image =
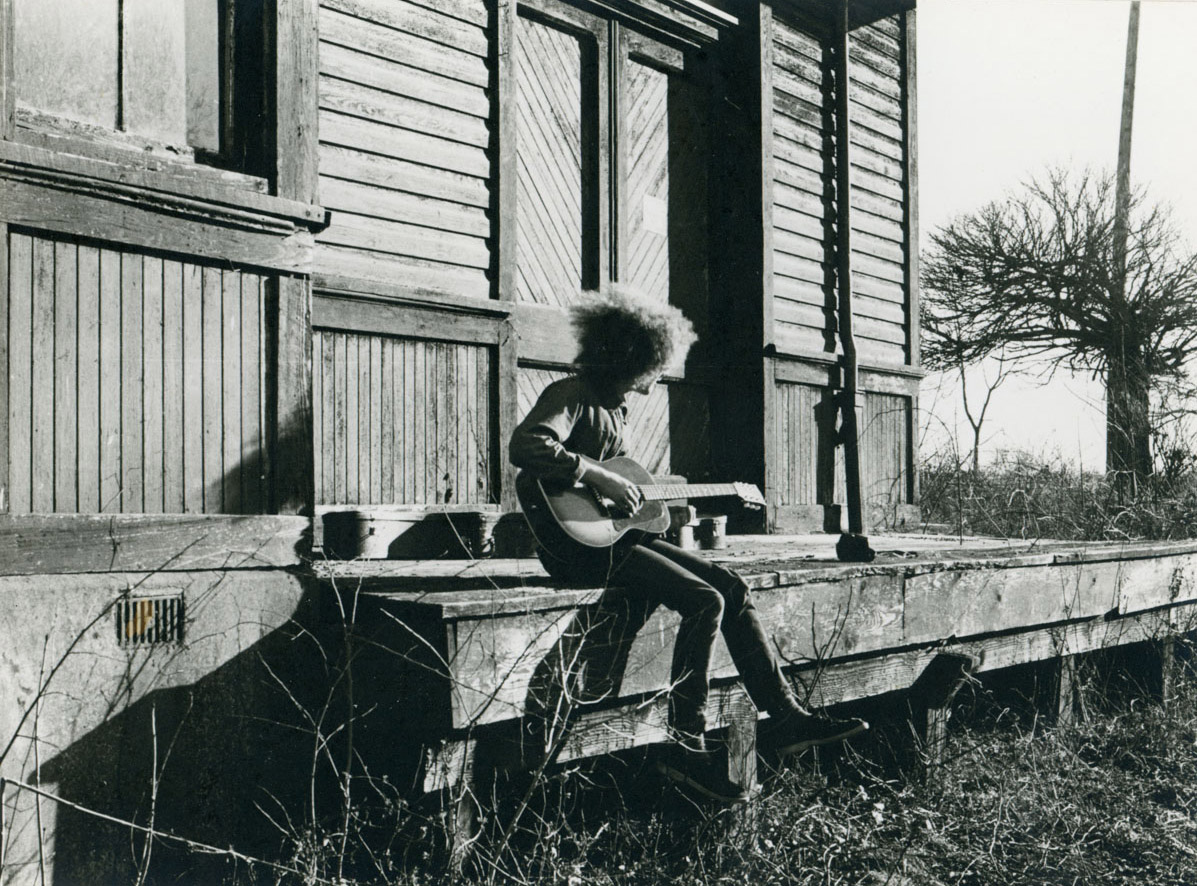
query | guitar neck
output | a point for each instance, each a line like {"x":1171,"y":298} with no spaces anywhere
{"x":668,"y":491}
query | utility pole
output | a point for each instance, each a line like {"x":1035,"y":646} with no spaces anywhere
{"x":1121,"y":433}
{"x":1122,"y":184}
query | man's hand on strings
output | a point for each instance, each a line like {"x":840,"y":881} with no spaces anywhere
{"x":623,"y":494}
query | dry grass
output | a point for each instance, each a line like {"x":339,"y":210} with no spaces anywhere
{"x":1022,"y":496}
{"x":1111,"y":799}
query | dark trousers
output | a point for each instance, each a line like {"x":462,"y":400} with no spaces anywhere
{"x":709,"y":599}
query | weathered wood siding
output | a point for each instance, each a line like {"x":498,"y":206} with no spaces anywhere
{"x":803,"y":193}
{"x":404,"y":132}
{"x":810,"y":467}
{"x":549,"y":248}
{"x":648,"y":179}
{"x":401,"y":421}
{"x":530,"y":381}
{"x":137,"y":383}
{"x":798,"y":445}
{"x":879,"y":284}
{"x":803,"y":235}
{"x":885,"y":449}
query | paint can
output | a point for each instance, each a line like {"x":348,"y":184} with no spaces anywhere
{"x":712,"y":533}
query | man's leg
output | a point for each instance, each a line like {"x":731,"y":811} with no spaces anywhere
{"x":742,"y":632}
{"x":658,"y":581}
{"x":794,"y":728}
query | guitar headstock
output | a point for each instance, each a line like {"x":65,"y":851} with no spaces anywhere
{"x":749,"y":495}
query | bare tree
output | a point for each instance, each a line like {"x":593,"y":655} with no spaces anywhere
{"x":1038,"y":275}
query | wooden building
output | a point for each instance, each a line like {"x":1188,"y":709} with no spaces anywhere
{"x":178,"y":311}
{"x":263,"y":259}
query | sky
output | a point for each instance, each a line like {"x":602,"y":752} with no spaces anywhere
{"x":1008,"y":88}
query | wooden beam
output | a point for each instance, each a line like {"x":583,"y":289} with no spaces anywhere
{"x":81,"y":543}
{"x":172,"y":226}
{"x":4,"y":370}
{"x":7,"y":85}
{"x":642,"y":720}
{"x":379,"y":317}
{"x":152,"y":183}
{"x":504,"y":145}
{"x":296,"y":102}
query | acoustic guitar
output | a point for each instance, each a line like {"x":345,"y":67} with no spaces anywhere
{"x":565,"y":514}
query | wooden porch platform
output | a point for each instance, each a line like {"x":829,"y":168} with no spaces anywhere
{"x":489,"y":638}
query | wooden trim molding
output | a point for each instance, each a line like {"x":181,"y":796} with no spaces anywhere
{"x":77,"y":543}
{"x":692,"y":22}
{"x":385,"y":317}
{"x":832,"y":360}
{"x":160,"y":222}
{"x":353,"y":287}
{"x":183,"y":187}
{"x":911,"y":154}
{"x":827,"y":374}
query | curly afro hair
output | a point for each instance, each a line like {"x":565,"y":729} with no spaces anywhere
{"x":624,"y":337}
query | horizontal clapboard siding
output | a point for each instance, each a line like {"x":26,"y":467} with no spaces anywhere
{"x":400,"y":421}
{"x":803,"y":207}
{"x":404,"y":137}
{"x":137,"y":384}
{"x":803,"y":280}
{"x":878,"y":194}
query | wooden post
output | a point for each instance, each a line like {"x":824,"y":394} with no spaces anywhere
{"x":933,"y":692}
{"x":296,"y":103}
{"x":4,"y":419}
{"x":742,"y":403}
{"x":910,"y":169}
{"x":1166,"y":649}
{"x":741,"y":741}
{"x":296,"y":178}
{"x":290,"y":451}
{"x":853,"y":546}
{"x":462,"y":814}
{"x":1065,"y":696}
{"x":3,"y":823}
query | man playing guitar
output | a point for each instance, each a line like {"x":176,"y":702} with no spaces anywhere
{"x":626,"y":342}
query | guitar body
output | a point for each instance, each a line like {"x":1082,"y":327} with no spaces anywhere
{"x":569,"y":519}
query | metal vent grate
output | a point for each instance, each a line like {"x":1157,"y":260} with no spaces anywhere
{"x":149,"y":621}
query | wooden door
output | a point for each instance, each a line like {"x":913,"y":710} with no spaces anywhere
{"x":611,"y":186}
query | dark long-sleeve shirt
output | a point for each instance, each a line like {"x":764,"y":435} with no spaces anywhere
{"x":570,"y":422}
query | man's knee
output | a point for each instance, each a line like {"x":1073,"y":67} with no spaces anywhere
{"x":707,"y":603}
{"x":737,"y":598}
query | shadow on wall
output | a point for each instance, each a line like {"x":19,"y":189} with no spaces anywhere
{"x":249,"y":757}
